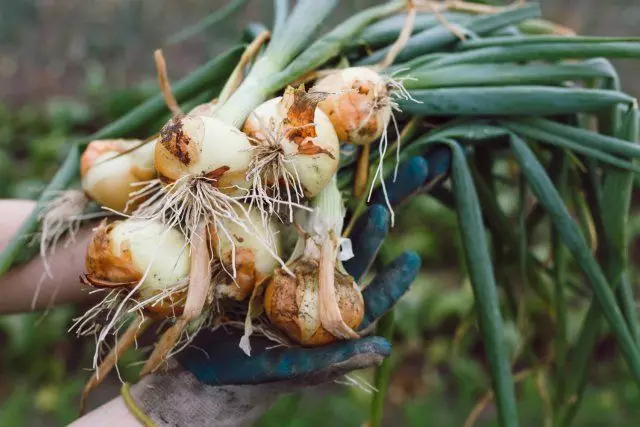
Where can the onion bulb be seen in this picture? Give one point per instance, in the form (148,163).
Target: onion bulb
(320,302)
(302,138)
(203,146)
(143,255)
(247,248)
(292,303)
(109,167)
(357,104)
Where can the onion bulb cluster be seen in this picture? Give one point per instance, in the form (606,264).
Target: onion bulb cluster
(222,244)
(204,199)
(202,235)
(219,178)
(290,130)
(155,259)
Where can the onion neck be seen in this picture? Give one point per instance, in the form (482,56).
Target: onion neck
(327,220)
(253,91)
(323,225)
(328,209)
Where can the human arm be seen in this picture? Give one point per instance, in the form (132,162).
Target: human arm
(20,285)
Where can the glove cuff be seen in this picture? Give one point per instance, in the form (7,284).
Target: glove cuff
(177,398)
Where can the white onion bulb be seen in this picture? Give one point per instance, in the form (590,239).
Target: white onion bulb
(123,253)
(314,160)
(202,145)
(107,174)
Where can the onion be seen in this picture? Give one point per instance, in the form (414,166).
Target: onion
(108,168)
(320,302)
(201,163)
(295,144)
(144,255)
(292,303)
(247,249)
(203,145)
(357,104)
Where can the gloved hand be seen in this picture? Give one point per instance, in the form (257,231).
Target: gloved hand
(214,383)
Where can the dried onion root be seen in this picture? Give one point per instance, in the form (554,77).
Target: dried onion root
(61,216)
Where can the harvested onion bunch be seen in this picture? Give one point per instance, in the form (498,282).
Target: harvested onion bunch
(203,198)
(204,163)
(218,181)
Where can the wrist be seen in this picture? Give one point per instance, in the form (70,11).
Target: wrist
(112,413)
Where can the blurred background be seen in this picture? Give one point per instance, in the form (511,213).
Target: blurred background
(67,67)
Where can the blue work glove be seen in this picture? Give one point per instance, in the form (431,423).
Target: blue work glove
(217,384)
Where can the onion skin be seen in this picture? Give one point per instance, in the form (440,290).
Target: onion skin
(205,109)
(107,174)
(291,303)
(357,104)
(307,137)
(120,252)
(102,264)
(202,145)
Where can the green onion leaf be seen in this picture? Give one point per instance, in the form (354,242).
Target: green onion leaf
(508,101)
(569,233)
(480,269)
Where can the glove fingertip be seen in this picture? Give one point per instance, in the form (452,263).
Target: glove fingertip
(335,360)
(368,235)
(389,286)
(411,175)
(373,345)
(439,160)
(379,218)
(411,260)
